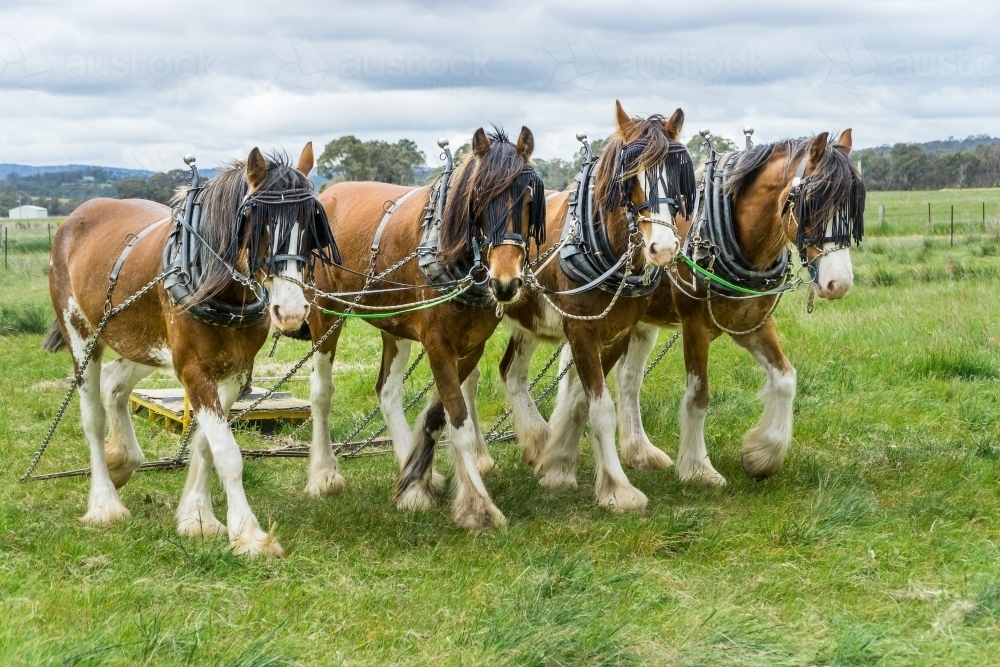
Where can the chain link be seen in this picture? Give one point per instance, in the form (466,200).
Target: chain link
(88,353)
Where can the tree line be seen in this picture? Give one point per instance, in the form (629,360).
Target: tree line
(915,167)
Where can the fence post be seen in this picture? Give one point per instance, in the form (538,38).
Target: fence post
(6,242)
(984,216)
(49,226)
(881,214)
(953,225)
(928,215)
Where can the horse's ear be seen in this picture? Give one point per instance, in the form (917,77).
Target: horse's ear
(817,147)
(480,143)
(306,160)
(624,122)
(256,169)
(525,143)
(674,125)
(844,142)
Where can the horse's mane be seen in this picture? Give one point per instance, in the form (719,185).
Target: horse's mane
(835,187)
(650,147)
(477,191)
(222,229)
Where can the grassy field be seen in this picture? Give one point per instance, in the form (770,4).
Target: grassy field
(906,212)
(876,545)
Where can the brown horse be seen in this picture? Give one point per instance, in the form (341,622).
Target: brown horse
(642,157)
(493,206)
(805,194)
(244,237)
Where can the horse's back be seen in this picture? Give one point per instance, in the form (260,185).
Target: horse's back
(88,243)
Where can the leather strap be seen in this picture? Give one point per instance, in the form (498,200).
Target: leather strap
(385,219)
(130,243)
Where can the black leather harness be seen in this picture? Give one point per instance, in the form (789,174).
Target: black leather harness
(586,255)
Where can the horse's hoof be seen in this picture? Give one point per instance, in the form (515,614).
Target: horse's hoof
(557,480)
(644,456)
(477,514)
(324,484)
(624,498)
(200,525)
(256,543)
(106,512)
(417,497)
(700,472)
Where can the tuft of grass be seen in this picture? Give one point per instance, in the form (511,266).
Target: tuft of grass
(24,319)
(965,364)
(835,506)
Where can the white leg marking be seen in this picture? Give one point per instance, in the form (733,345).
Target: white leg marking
(122,451)
(195,516)
(245,533)
(766,445)
(390,399)
(472,509)
(470,390)
(104,505)
(612,487)
(323,477)
(556,464)
(637,450)
(693,464)
(529,426)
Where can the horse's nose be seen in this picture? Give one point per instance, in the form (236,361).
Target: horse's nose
(288,320)
(836,289)
(504,292)
(662,253)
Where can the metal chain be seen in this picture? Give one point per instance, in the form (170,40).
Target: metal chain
(374,411)
(88,353)
(711,315)
(369,281)
(533,283)
(495,434)
(505,415)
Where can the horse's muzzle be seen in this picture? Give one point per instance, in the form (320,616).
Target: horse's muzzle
(505,291)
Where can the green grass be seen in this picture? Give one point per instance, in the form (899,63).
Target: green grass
(906,212)
(875,545)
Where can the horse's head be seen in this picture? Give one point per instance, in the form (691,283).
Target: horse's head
(262,224)
(827,198)
(495,209)
(647,172)
(291,230)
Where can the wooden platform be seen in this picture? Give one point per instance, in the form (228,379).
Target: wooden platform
(172,408)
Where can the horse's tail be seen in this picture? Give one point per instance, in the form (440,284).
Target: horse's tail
(54,340)
(418,464)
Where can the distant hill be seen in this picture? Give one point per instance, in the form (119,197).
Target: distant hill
(949,145)
(114,173)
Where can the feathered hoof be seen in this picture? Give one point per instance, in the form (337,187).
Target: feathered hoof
(106,512)
(201,525)
(477,514)
(257,543)
(417,497)
(325,484)
(700,472)
(623,498)
(485,463)
(558,480)
(762,457)
(644,456)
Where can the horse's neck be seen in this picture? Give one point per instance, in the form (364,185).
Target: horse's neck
(616,225)
(758,223)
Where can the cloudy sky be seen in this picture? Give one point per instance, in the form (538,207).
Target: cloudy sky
(140,84)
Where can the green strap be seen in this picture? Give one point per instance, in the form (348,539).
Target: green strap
(722,281)
(377,316)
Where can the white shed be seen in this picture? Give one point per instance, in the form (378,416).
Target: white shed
(27,211)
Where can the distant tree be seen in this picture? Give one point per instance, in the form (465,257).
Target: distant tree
(698,147)
(159,187)
(909,165)
(350,159)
